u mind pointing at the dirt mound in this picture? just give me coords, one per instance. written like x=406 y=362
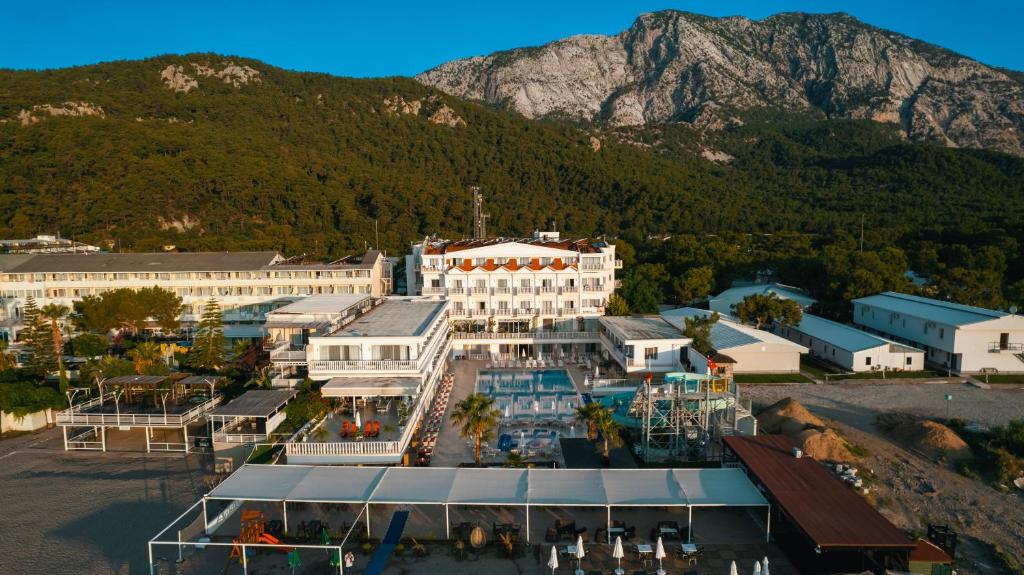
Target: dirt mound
x=930 y=438
x=824 y=445
x=787 y=416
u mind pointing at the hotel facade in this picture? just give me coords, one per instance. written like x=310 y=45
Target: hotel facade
x=246 y=284
x=512 y=297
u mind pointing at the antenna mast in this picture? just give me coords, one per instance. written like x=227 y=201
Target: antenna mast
x=479 y=217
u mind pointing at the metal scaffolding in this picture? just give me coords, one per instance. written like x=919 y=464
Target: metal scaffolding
x=684 y=417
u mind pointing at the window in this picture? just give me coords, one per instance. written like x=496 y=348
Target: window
x=867 y=360
x=650 y=353
x=910 y=361
x=942 y=332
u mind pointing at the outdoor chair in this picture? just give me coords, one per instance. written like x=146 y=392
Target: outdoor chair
x=601 y=535
x=629 y=534
x=551 y=535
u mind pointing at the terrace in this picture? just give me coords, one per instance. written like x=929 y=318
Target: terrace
x=140 y=401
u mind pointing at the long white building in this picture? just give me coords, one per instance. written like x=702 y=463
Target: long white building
x=246 y=284
x=960 y=338
x=851 y=348
x=512 y=297
x=747 y=349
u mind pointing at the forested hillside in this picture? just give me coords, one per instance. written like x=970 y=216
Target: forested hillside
x=211 y=152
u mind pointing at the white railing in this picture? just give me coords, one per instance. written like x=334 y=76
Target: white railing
x=504 y=311
x=591 y=267
x=375 y=365
x=228 y=437
x=547 y=289
x=479 y=291
x=456 y=291
x=285 y=382
x=550 y=335
x=344 y=448
x=287 y=354
x=75 y=416
x=433 y=291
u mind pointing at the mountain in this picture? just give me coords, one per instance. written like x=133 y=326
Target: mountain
x=204 y=151
x=675 y=66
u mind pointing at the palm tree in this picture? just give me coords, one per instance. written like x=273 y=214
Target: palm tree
x=145 y=355
x=478 y=418
x=608 y=428
x=586 y=414
x=54 y=313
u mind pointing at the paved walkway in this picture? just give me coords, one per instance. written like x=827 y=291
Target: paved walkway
x=451 y=449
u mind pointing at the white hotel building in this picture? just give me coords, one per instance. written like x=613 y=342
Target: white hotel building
x=514 y=297
x=246 y=284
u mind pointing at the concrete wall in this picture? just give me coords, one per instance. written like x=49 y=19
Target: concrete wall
x=756 y=361
x=30 y=422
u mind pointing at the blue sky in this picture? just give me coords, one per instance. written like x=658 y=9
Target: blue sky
x=403 y=38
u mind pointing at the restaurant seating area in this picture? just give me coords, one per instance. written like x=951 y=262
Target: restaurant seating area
x=426 y=436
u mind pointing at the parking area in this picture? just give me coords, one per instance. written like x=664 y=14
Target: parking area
x=87 y=512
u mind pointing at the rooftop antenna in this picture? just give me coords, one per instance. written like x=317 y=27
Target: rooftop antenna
x=479 y=217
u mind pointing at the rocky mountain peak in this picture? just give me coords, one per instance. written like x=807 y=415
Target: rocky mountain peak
x=674 y=66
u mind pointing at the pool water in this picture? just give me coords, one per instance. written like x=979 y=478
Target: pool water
x=546 y=394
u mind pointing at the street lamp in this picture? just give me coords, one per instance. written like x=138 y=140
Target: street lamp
x=117 y=404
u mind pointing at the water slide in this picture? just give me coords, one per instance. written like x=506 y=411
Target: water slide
x=387 y=546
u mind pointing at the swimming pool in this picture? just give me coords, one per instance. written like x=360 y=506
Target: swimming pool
x=543 y=394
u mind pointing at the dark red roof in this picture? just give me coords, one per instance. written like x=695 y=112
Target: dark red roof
x=928 y=552
x=820 y=505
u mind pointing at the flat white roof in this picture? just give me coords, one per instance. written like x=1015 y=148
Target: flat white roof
x=492 y=486
x=371 y=386
x=321 y=304
x=642 y=327
x=396 y=317
x=940 y=311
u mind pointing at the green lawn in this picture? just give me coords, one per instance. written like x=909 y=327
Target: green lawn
x=770 y=378
x=817 y=367
x=888 y=375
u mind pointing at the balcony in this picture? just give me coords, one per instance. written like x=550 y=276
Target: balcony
x=536 y=335
x=288 y=355
x=363 y=364
x=591 y=267
x=479 y=291
x=547 y=289
x=456 y=291
x=433 y=291
x=502 y=290
x=1009 y=347
x=105 y=412
x=593 y=288
x=504 y=312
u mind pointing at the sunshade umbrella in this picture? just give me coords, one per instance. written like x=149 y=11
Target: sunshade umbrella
x=617 y=554
x=757 y=568
x=553 y=561
x=579 y=552
x=359 y=420
x=294 y=560
x=325 y=537
x=659 y=554
x=764 y=566
x=732 y=569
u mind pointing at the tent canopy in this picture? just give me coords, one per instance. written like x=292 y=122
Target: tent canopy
x=493 y=486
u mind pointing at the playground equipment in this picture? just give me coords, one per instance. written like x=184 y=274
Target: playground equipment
x=253 y=530
x=685 y=415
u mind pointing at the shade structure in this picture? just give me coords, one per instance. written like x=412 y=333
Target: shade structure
x=493 y=486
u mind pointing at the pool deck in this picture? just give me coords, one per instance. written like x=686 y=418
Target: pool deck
x=451 y=449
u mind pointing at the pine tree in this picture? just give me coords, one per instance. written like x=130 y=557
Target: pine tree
x=39 y=340
x=208 y=352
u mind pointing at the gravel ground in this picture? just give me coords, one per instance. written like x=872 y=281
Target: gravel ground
x=911 y=490
x=858 y=403
x=86 y=512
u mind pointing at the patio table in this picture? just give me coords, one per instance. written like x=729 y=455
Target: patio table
x=689 y=548
x=645 y=551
